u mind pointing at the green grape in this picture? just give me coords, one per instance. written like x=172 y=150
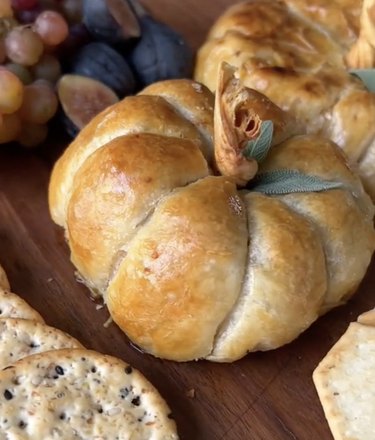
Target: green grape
x=10 y=127
x=6 y=25
x=11 y=91
x=39 y=103
x=32 y=135
x=45 y=83
x=23 y=46
x=48 y=67
x=22 y=72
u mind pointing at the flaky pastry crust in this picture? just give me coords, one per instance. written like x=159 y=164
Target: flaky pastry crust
x=189 y=264
x=297 y=53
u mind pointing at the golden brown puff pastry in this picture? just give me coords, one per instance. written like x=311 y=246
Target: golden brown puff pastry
x=349 y=22
x=362 y=53
x=339 y=18
x=190 y=264
x=285 y=50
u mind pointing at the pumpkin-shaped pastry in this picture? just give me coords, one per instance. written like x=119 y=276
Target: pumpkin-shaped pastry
x=192 y=261
x=295 y=52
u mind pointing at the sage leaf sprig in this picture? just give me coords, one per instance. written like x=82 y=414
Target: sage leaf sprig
x=286 y=181
x=258 y=148
x=283 y=181
x=367 y=76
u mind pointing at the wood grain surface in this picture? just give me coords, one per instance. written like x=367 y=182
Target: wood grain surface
x=265 y=396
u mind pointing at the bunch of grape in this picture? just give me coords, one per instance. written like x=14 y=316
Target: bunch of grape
x=78 y=56
x=31 y=32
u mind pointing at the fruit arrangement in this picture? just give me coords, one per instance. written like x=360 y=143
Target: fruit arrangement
x=70 y=59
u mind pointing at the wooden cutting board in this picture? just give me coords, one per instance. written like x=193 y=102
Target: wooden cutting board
x=266 y=396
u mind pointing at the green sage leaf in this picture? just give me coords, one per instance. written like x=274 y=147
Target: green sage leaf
x=367 y=76
x=258 y=148
x=286 y=181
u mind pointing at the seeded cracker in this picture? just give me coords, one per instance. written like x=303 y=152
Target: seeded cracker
x=13 y=306
x=21 y=337
x=345 y=382
x=80 y=394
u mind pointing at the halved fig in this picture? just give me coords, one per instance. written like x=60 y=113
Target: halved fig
x=82 y=98
x=112 y=21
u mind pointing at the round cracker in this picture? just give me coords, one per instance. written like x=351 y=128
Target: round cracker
x=80 y=394
x=13 y=306
x=20 y=338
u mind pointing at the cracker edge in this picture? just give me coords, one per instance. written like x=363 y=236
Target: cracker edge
x=158 y=402
x=332 y=358
x=18 y=299
x=30 y=325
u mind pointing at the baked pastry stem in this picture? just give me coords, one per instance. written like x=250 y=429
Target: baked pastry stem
x=239 y=115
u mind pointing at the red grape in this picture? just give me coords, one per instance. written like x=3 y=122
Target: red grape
x=52 y=27
x=23 y=5
x=39 y=104
x=28 y=16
